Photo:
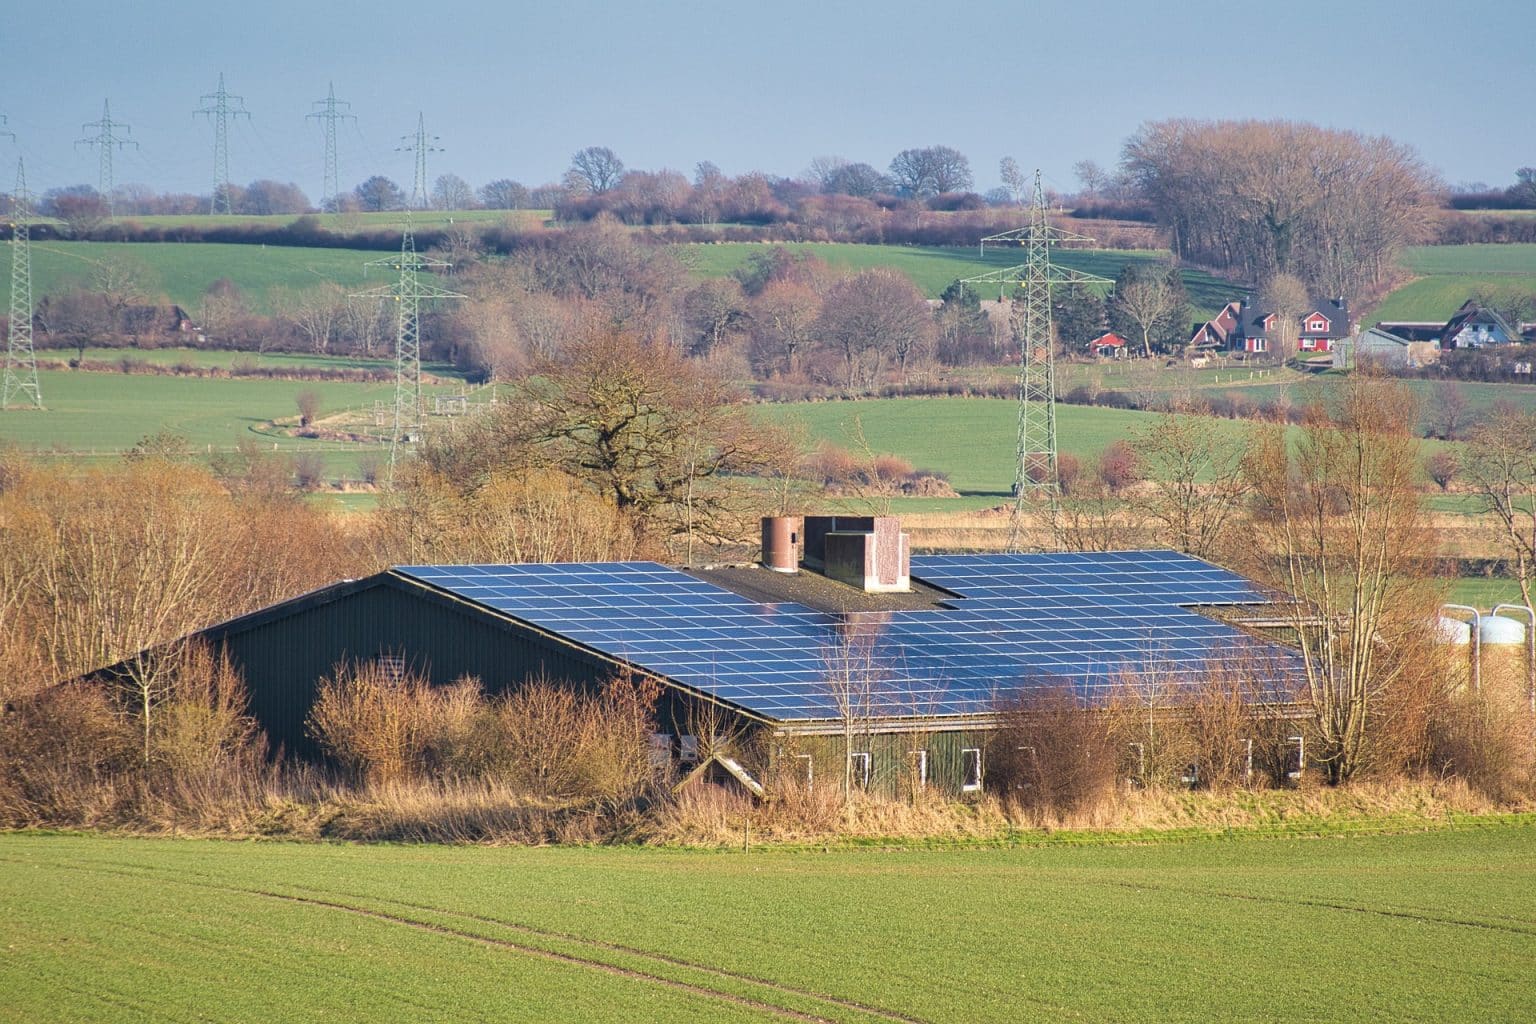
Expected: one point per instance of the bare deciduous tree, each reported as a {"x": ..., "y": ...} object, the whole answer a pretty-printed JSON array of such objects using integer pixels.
[
  {"x": 931, "y": 171},
  {"x": 1195, "y": 487},
  {"x": 1267, "y": 197},
  {"x": 871, "y": 316},
  {"x": 1339, "y": 526},
  {"x": 594, "y": 170},
  {"x": 1501, "y": 470}
]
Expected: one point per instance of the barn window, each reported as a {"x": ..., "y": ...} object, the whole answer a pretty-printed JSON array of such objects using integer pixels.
[
  {"x": 859, "y": 765},
  {"x": 1300, "y": 745},
  {"x": 918, "y": 759},
  {"x": 688, "y": 749},
  {"x": 391, "y": 666},
  {"x": 970, "y": 769},
  {"x": 807, "y": 769}
]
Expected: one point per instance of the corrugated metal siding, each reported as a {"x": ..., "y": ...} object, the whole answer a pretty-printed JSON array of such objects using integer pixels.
[{"x": 283, "y": 659}]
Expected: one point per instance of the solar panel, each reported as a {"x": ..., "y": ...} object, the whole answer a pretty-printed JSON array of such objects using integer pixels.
[{"x": 1089, "y": 621}]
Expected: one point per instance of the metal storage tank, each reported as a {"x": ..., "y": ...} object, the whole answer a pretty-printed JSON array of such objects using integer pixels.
[
  {"x": 1499, "y": 630},
  {"x": 1452, "y": 631}
]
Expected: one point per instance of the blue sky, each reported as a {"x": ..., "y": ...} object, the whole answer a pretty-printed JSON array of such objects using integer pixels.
[{"x": 512, "y": 90}]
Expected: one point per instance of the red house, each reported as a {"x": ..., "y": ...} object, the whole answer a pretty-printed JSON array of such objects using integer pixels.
[{"x": 1108, "y": 345}]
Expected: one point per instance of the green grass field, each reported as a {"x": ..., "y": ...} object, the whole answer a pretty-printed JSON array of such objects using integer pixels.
[
  {"x": 182, "y": 271},
  {"x": 1449, "y": 274},
  {"x": 971, "y": 439},
  {"x": 222, "y": 358},
  {"x": 92, "y": 416},
  {"x": 1436, "y": 926},
  {"x": 99, "y": 412},
  {"x": 390, "y": 220},
  {"x": 933, "y": 268}
]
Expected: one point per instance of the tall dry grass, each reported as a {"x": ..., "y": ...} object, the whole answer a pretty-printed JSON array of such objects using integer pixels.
[{"x": 545, "y": 739}]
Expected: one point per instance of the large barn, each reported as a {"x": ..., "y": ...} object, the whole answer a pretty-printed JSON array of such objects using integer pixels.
[{"x": 839, "y": 626}]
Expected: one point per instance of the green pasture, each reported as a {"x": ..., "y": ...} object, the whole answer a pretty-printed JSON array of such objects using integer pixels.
[
  {"x": 182, "y": 271},
  {"x": 1518, "y": 259},
  {"x": 343, "y": 222},
  {"x": 1483, "y": 592},
  {"x": 1449, "y": 274},
  {"x": 1432, "y": 926},
  {"x": 973, "y": 440},
  {"x": 93, "y": 416},
  {"x": 209, "y": 358},
  {"x": 933, "y": 268}
]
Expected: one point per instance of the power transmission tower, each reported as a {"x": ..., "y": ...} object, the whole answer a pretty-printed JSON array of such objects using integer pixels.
[
  {"x": 105, "y": 139},
  {"x": 218, "y": 109},
  {"x": 408, "y": 292},
  {"x": 421, "y": 145},
  {"x": 20, "y": 363},
  {"x": 328, "y": 115},
  {"x": 1035, "y": 466}
]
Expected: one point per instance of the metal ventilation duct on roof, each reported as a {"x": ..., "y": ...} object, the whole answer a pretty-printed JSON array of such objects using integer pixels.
[{"x": 781, "y": 543}]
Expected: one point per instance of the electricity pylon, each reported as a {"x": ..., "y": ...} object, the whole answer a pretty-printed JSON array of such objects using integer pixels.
[
  {"x": 421, "y": 145},
  {"x": 20, "y": 364},
  {"x": 328, "y": 115},
  {"x": 1035, "y": 470},
  {"x": 407, "y": 293},
  {"x": 217, "y": 108},
  {"x": 105, "y": 139}
]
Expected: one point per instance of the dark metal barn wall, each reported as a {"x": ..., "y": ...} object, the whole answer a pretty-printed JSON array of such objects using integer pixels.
[
  {"x": 283, "y": 660},
  {"x": 893, "y": 758}
]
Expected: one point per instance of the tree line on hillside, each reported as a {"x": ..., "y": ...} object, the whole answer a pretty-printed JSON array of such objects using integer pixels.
[
  {"x": 784, "y": 315},
  {"x": 1249, "y": 198}
]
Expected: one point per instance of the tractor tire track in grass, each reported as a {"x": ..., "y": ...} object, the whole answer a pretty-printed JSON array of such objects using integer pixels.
[
  {"x": 1351, "y": 908},
  {"x": 325, "y": 899}
]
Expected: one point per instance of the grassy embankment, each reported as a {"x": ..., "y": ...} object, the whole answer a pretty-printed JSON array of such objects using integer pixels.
[{"x": 1436, "y": 926}]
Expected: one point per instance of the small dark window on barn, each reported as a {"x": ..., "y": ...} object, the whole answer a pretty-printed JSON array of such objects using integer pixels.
[
  {"x": 970, "y": 770},
  {"x": 688, "y": 749},
  {"x": 859, "y": 769}
]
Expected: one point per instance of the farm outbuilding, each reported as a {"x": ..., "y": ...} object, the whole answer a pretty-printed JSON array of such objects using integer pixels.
[{"x": 839, "y": 632}]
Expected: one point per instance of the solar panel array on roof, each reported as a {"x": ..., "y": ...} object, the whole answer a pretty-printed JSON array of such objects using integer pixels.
[{"x": 1080, "y": 620}]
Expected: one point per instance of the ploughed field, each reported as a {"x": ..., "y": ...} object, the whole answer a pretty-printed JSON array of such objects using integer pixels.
[{"x": 1435, "y": 926}]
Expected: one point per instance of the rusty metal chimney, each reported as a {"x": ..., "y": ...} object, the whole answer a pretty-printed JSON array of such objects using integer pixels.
[{"x": 781, "y": 543}]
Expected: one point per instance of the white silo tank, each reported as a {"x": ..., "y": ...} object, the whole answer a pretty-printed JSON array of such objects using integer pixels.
[
  {"x": 1452, "y": 631},
  {"x": 1500, "y": 631}
]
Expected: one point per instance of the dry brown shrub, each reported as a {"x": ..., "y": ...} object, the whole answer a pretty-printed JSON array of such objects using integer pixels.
[
  {"x": 202, "y": 727},
  {"x": 1238, "y": 725},
  {"x": 1051, "y": 754},
  {"x": 557, "y": 741},
  {"x": 1488, "y": 743},
  {"x": 371, "y": 722},
  {"x": 64, "y": 756}
]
